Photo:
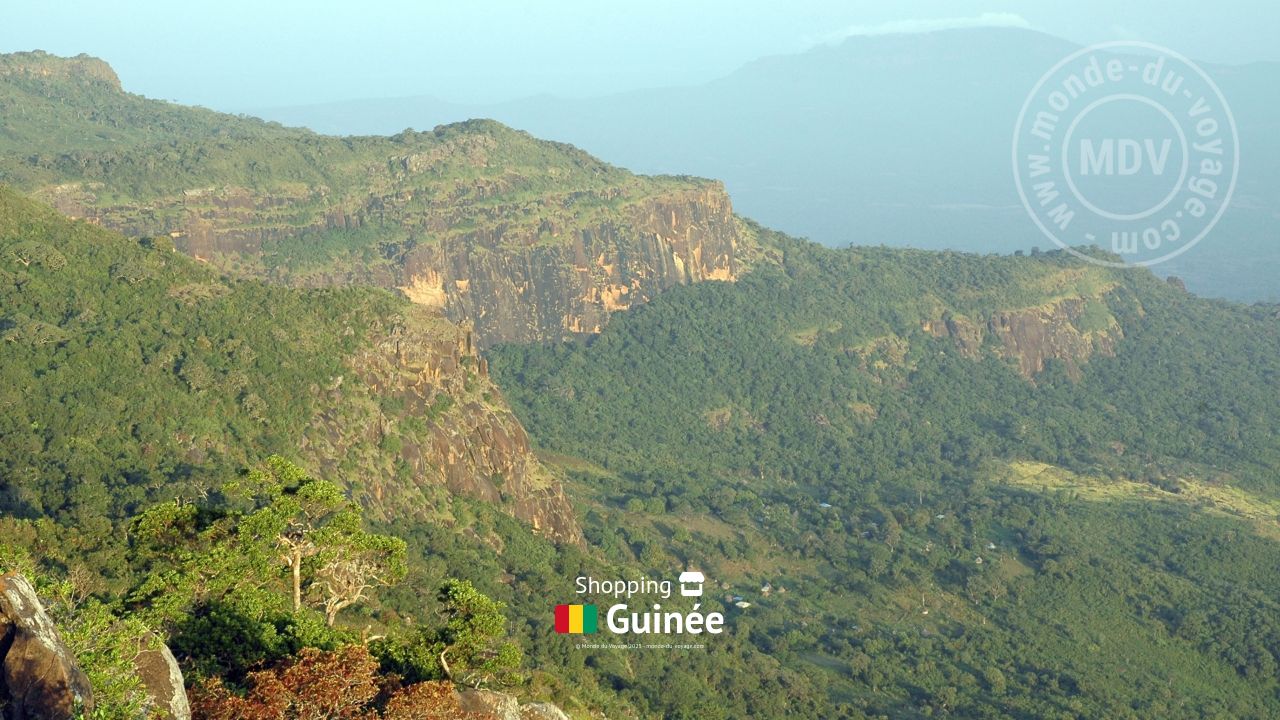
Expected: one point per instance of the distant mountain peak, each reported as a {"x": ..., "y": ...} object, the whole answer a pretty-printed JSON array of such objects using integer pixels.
[
  {"x": 953, "y": 42},
  {"x": 40, "y": 65}
]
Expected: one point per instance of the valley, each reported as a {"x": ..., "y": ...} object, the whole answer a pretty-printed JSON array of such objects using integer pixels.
[{"x": 303, "y": 407}]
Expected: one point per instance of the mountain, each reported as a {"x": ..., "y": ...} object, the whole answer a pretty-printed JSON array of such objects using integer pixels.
[
  {"x": 141, "y": 391},
  {"x": 990, "y": 486},
  {"x": 896, "y": 139},
  {"x": 919, "y": 483},
  {"x": 133, "y": 373},
  {"x": 524, "y": 239}
]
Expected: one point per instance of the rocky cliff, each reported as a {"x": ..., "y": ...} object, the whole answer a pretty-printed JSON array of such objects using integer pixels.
[
  {"x": 1069, "y": 330},
  {"x": 419, "y": 404},
  {"x": 519, "y": 269},
  {"x": 526, "y": 239},
  {"x": 565, "y": 277},
  {"x": 50, "y": 69}
]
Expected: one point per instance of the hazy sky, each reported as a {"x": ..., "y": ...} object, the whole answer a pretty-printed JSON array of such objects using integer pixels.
[{"x": 242, "y": 54}]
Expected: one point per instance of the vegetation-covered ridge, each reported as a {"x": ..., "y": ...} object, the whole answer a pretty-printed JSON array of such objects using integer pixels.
[
  {"x": 132, "y": 373},
  {"x": 991, "y": 486},
  {"x": 528, "y": 239}
]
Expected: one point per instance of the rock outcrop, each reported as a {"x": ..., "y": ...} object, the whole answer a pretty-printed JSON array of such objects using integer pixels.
[
  {"x": 493, "y": 705},
  {"x": 1068, "y": 330},
  {"x": 41, "y": 680},
  {"x": 542, "y": 711},
  {"x": 438, "y": 421},
  {"x": 162, "y": 679},
  {"x": 42, "y": 66},
  {"x": 490, "y": 705},
  {"x": 1034, "y": 336}
]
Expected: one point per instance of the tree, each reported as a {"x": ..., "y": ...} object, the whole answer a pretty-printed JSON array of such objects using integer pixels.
[
  {"x": 312, "y": 520},
  {"x": 214, "y": 579},
  {"x": 305, "y": 505},
  {"x": 30, "y": 252},
  {"x": 471, "y": 643},
  {"x": 354, "y": 562},
  {"x": 35, "y": 332}
]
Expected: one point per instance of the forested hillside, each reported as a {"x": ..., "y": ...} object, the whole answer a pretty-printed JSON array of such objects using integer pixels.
[
  {"x": 944, "y": 483},
  {"x": 993, "y": 486},
  {"x": 132, "y": 373},
  {"x": 168, "y": 431}
]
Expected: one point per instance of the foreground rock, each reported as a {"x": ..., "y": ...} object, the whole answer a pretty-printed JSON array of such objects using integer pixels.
[
  {"x": 41, "y": 679},
  {"x": 542, "y": 711},
  {"x": 489, "y": 705},
  {"x": 158, "y": 670},
  {"x": 493, "y": 705}
]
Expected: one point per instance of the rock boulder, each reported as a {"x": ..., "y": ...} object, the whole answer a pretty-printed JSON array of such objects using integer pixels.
[
  {"x": 158, "y": 670},
  {"x": 489, "y": 705},
  {"x": 541, "y": 711},
  {"x": 41, "y": 680}
]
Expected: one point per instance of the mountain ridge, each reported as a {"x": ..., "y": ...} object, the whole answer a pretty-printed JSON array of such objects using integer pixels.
[
  {"x": 526, "y": 239},
  {"x": 870, "y": 141}
]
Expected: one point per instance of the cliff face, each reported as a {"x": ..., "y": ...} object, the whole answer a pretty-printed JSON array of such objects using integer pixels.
[
  {"x": 518, "y": 287},
  {"x": 1069, "y": 330},
  {"x": 420, "y": 406},
  {"x": 520, "y": 271},
  {"x": 41, "y": 66}
]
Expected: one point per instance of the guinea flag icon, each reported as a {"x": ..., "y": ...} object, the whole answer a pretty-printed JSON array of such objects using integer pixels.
[{"x": 576, "y": 619}]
